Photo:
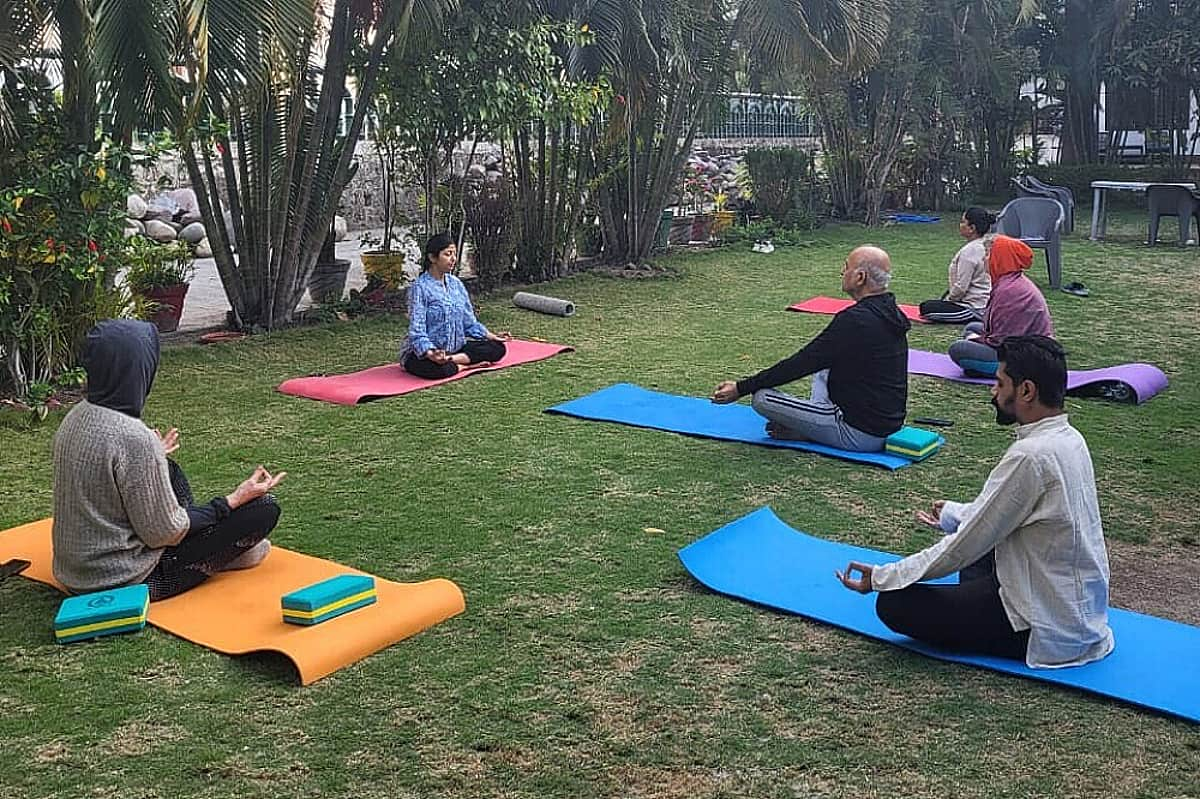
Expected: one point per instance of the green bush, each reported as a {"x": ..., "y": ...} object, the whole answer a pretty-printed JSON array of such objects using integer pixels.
[
  {"x": 776, "y": 176},
  {"x": 156, "y": 266},
  {"x": 62, "y": 216}
]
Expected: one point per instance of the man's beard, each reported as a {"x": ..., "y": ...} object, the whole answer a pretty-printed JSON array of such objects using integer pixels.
[{"x": 1003, "y": 417}]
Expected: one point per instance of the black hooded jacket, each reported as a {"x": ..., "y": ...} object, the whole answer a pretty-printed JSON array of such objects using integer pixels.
[
  {"x": 121, "y": 359},
  {"x": 865, "y": 349}
]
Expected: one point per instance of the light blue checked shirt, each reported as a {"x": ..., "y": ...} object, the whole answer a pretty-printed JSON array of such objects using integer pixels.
[{"x": 440, "y": 316}]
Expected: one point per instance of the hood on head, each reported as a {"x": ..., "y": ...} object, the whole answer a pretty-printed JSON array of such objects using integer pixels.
[
  {"x": 121, "y": 359},
  {"x": 884, "y": 306},
  {"x": 1008, "y": 255}
]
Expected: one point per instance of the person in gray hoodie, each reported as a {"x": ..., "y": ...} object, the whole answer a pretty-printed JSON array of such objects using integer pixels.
[{"x": 123, "y": 511}]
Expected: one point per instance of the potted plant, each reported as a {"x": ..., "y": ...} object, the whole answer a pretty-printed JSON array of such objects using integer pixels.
[
  {"x": 697, "y": 185},
  {"x": 722, "y": 217},
  {"x": 160, "y": 274}
]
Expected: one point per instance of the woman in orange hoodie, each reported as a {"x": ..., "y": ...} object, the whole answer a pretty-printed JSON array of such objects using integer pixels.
[{"x": 1016, "y": 308}]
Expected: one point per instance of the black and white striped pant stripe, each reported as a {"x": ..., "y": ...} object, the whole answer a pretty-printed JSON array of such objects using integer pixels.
[{"x": 947, "y": 312}]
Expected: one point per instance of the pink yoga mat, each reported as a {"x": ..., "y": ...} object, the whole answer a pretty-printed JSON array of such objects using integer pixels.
[
  {"x": 830, "y": 305},
  {"x": 390, "y": 380}
]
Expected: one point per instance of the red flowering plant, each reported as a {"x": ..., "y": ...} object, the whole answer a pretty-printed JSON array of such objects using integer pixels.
[
  {"x": 698, "y": 187},
  {"x": 62, "y": 216}
]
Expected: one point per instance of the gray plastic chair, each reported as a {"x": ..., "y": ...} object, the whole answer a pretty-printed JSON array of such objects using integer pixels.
[
  {"x": 1037, "y": 221},
  {"x": 1177, "y": 201},
  {"x": 1061, "y": 193}
]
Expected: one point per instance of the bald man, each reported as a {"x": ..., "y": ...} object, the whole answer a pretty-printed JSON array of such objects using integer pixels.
[{"x": 859, "y": 364}]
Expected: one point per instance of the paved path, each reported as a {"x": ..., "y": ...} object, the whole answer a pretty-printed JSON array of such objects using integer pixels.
[{"x": 206, "y": 303}]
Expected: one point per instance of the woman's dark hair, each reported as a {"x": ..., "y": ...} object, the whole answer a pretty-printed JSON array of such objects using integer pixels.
[
  {"x": 1039, "y": 359},
  {"x": 979, "y": 218},
  {"x": 434, "y": 246}
]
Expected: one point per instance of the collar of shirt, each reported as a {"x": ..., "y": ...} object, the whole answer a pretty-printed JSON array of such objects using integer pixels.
[{"x": 1047, "y": 425}]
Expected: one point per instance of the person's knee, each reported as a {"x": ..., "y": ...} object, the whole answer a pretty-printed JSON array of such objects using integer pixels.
[
  {"x": 889, "y": 609},
  {"x": 495, "y": 351},
  {"x": 760, "y": 400},
  {"x": 261, "y": 513}
]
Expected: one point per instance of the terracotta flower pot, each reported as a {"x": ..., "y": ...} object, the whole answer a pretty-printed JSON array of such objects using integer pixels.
[{"x": 168, "y": 306}]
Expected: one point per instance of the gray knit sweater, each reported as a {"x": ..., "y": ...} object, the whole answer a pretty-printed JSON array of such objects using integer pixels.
[{"x": 114, "y": 509}]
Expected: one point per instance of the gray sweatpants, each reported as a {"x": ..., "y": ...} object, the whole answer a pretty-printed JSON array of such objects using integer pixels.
[{"x": 815, "y": 419}]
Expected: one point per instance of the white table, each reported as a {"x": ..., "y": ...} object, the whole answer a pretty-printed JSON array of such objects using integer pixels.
[{"x": 1100, "y": 207}]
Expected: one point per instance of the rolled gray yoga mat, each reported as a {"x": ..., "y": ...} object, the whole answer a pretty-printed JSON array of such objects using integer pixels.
[{"x": 541, "y": 304}]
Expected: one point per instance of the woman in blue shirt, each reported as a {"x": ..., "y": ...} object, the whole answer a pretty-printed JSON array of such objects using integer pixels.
[{"x": 443, "y": 333}]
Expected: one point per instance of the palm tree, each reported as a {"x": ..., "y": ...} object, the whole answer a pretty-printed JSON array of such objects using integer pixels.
[
  {"x": 27, "y": 21},
  {"x": 669, "y": 59}
]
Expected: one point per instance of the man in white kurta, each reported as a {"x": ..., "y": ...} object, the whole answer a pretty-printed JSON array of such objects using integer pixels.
[{"x": 1030, "y": 547}]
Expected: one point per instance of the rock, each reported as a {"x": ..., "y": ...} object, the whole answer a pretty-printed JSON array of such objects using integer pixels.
[
  {"x": 340, "y": 230},
  {"x": 135, "y": 207},
  {"x": 186, "y": 200},
  {"x": 476, "y": 172},
  {"x": 193, "y": 233},
  {"x": 190, "y": 219},
  {"x": 160, "y": 208},
  {"x": 160, "y": 231},
  {"x": 204, "y": 249},
  {"x": 136, "y": 225},
  {"x": 130, "y": 232}
]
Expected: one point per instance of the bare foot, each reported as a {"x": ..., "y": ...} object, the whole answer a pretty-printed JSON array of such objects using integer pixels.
[
  {"x": 775, "y": 430},
  {"x": 461, "y": 358},
  {"x": 476, "y": 365}
]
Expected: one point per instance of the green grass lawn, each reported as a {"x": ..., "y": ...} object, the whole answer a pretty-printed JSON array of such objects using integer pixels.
[{"x": 588, "y": 664}]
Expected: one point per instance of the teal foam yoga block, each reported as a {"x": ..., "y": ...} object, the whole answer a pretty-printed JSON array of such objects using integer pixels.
[
  {"x": 328, "y": 599},
  {"x": 102, "y": 613},
  {"x": 913, "y": 443}
]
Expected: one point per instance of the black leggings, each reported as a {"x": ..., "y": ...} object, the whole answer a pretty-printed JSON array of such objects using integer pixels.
[
  {"x": 968, "y": 617},
  {"x": 204, "y": 552},
  {"x": 948, "y": 312},
  {"x": 478, "y": 350}
]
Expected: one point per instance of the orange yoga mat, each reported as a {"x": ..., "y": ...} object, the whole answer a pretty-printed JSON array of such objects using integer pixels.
[{"x": 238, "y": 612}]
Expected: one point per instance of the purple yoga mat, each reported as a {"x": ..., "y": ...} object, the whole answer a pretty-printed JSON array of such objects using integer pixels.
[{"x": 1144, "y": 380}]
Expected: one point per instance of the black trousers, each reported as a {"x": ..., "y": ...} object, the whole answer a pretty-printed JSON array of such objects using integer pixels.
[
  {"x": 967, "y": 617},
  {"x": 948, "y": 312},
  {"x": 204, "y": 552},
  {"x": 478, "y": 350}
]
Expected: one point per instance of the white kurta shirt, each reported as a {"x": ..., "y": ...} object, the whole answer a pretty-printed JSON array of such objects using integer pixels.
[{"x": 1039, "y": 511}]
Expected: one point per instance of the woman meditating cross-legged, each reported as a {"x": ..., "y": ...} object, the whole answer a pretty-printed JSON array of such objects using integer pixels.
[
  {"x": 123, "y": 512},
  {"x": 1016, "y": 308},
  {"x": 970, "y": 285},
  {"x": 443, "y": 333}
]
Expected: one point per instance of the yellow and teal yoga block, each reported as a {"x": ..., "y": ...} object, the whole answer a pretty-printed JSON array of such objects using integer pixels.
[
  {"x": 328, "y": 599},
  {"x": 913, "y": 443},
  {"x": 122, "y": 610}
]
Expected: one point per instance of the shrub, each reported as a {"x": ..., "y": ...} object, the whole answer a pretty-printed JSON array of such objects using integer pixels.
[
  {"x": 490, "y": 215},
  {"x": 775, "y": 175},
  {"x": 154, "y": 266}
]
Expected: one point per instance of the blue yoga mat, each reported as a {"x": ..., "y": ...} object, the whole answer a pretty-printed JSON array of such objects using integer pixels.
[
  {"x": 760, "y": 559},
  {"x": 633, "y": 405}
]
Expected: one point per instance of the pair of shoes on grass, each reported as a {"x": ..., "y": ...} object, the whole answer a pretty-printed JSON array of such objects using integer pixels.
[{"x": 1078, "y": 289}]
